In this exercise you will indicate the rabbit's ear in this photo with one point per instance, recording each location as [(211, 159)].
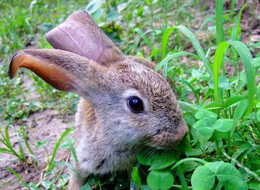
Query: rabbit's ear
[(63, 70), (79, 34)]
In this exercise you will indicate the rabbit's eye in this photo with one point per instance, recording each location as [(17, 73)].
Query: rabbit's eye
[(135, 104)]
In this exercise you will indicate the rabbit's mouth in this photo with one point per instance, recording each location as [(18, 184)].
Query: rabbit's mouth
[(169, 137)]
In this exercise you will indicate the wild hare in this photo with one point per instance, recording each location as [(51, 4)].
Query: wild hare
[(124, 104)]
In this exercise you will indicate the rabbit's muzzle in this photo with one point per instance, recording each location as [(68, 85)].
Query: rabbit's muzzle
[(169, 136)]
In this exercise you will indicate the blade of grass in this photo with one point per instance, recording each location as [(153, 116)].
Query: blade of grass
[(17, 176), (21, 152), (218, 61), (239, 112), (237, 29), (182, 178), (219, 21), (9, 144), (172, 56), (256, 62), (165, 39), (4, 150), (209, 19), (197, 47), (247, 61), (188, 160), (143, 36), (233, 2), (191, 87), (64, 134), (187, 107), (27, 144)]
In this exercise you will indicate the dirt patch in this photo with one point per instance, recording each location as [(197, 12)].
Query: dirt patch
[(46, 125)]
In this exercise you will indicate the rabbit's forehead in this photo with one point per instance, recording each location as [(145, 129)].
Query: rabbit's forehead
[(138, 69), (134, 75)]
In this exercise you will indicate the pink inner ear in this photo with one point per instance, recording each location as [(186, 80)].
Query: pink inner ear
[(79, 34), (69, 38)]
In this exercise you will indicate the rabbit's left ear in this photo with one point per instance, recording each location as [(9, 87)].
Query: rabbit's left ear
[(63, 70), (79, 34)]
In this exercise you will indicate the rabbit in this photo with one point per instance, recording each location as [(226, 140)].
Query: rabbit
[(124, 106)]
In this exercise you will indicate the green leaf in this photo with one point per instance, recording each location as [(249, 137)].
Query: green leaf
[(218, 61), (196, 46), (42, 144), (239, 112), (247, 61), (237, 27), (230, 177), (213, 166), (196, 73), (188, 160), (202, 178), (209, 19), (17, 176), (136, 178), (258, 115), (160, 180), (94, 5), (57, 144), (214, 105), (183, 146), (220, 135), (231, 101), (254, 186), (167, 158), (187, 107), (202, 114), (46, 26), (146, 157), (112, 14), (86, 187), (170, 57), (224, 83), (219, 21), (204, 128), (238, 153), (256, 62), (223, 125), (165, 39), (144, 36)]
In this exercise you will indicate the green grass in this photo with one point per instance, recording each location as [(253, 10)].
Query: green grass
[(221, 108)]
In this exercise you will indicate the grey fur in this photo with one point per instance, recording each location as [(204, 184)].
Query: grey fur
[(108, 135)]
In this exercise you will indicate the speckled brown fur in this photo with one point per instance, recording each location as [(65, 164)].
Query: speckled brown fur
[(108, 134)]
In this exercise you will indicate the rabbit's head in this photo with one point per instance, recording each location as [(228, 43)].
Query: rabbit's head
[(132, 103)]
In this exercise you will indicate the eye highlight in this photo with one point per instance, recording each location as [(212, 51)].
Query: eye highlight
[(135, 104)]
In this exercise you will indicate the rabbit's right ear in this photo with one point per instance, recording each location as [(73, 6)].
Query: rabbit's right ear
[(80, 34)]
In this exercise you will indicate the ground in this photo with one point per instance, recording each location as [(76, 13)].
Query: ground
[(45, 125)]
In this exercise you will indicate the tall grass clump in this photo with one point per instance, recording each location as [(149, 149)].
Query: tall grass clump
[(223, 149)]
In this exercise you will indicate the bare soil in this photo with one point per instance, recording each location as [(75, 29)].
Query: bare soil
[(45, 125)]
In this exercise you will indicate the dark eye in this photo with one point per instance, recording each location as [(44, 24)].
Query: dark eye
[(135, 104)]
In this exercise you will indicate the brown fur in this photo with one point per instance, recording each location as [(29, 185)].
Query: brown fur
[(108, 135)]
